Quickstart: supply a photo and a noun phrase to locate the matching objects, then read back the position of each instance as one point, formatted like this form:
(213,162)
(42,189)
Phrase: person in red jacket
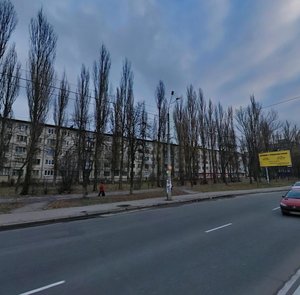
(101,190)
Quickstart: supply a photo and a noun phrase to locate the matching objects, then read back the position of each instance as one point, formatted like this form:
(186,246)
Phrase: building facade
(145,167)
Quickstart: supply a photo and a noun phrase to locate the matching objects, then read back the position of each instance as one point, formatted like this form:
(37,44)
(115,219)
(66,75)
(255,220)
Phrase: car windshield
(297,183)
(294,194)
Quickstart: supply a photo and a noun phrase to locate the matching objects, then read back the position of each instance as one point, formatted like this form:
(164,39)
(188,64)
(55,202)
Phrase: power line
(74,92)
(281,102)
(71,92)
(58,88)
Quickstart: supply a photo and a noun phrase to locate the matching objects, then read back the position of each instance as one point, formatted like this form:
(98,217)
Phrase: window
(106,173)
(49,162)
(50,131)
(20,149)
(48,172)
(36,161)
(20,160)
(22,127)
(4,172)
(50,152)
(146,166)
(21,138)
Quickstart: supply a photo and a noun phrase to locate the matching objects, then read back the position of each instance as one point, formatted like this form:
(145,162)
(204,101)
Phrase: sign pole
(267,175)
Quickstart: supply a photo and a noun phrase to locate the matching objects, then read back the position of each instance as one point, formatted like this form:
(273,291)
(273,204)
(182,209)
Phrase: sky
(231,49)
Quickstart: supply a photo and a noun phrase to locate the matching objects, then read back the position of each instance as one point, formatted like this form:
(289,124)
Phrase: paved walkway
(36,215)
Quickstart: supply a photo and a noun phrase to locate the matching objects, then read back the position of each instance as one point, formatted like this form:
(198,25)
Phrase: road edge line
(289,284)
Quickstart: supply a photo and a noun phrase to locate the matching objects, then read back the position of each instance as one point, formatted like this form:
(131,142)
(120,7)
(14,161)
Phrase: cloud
(263,56)
(231,49)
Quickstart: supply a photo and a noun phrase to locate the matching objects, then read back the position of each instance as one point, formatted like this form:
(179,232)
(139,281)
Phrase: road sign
(275,159)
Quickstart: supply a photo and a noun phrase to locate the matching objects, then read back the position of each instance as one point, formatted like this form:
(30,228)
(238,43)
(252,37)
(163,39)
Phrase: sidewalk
(35,217)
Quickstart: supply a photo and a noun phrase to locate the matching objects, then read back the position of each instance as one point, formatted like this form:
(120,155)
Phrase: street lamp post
(169,164)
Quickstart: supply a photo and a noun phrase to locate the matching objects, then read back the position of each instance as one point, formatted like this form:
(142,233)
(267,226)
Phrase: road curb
(86,215)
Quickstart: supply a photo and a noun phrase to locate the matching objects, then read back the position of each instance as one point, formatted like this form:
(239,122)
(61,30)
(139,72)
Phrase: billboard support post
(267,175)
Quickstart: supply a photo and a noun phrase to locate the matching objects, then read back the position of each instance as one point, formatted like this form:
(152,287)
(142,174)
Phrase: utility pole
(169,164)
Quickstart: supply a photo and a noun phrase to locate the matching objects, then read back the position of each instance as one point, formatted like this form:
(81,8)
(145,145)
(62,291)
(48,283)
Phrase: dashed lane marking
(43,288)
(219,227)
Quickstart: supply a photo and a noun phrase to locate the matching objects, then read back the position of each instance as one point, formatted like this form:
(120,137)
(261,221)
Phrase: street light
(169,164)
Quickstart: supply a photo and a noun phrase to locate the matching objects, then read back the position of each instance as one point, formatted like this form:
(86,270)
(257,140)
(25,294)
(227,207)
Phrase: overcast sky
(229,48)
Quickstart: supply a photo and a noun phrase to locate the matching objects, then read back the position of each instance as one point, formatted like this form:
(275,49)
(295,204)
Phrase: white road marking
(290,284)
(43,288)
(297,291)
(276,208)
(219,227)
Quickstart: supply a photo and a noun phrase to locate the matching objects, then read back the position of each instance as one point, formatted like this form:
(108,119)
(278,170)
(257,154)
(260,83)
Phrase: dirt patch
(238,186)
(8,207)
(109,199)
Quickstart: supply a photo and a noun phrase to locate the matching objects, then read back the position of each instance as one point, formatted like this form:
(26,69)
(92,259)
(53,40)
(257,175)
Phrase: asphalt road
(230,246)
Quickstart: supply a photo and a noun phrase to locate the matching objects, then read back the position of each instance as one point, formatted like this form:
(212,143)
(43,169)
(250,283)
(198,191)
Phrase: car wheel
(284,213)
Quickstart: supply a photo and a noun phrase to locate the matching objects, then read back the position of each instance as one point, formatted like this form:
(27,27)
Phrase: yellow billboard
(274,159)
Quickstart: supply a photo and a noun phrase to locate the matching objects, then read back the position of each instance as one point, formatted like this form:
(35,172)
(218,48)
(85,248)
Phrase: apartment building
(43,168)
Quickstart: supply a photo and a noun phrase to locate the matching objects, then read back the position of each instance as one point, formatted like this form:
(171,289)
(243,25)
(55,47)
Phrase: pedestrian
(101,190)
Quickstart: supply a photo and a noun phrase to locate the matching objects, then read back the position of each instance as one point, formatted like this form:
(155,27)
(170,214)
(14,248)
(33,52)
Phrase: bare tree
(8,22)
(269,124)
(60,120)
(124,95)
(133,118)
(192,131)
(161,104)
(9,89)
(143,133)
(203,131)
(248,120)
(39,85)
(179,118)
(84,141)
(233,158)
(212,139)
(116,136)
(9,74)
(244,155)
(153,136)
(68,170)
(290,139)
(222,136)
(101,75)
(226,141)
